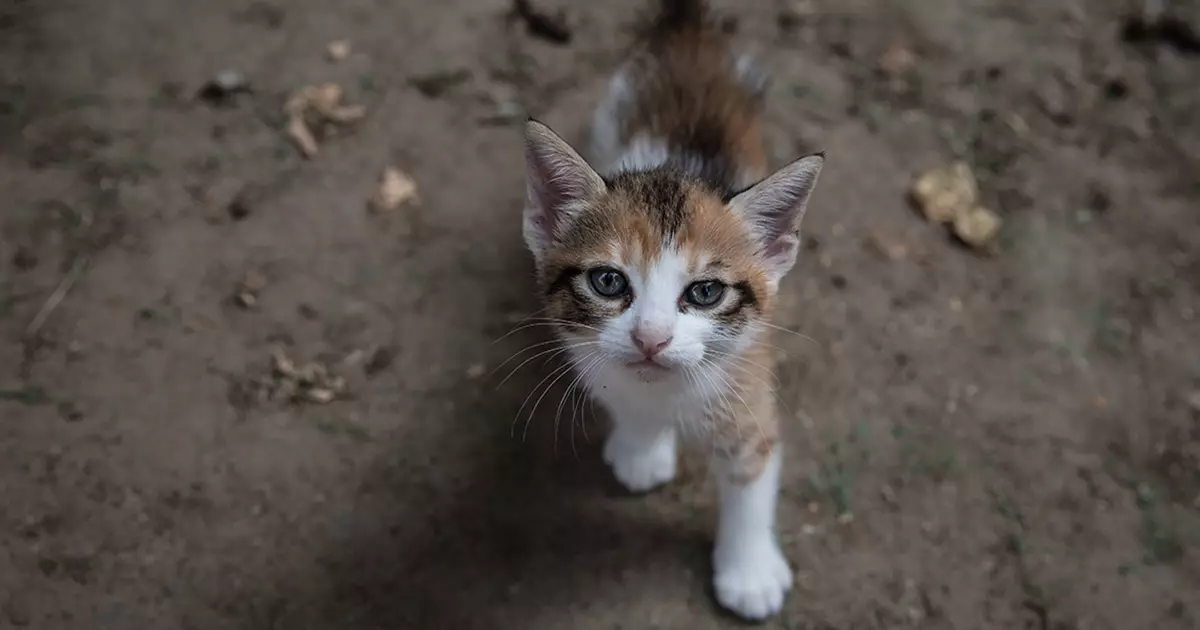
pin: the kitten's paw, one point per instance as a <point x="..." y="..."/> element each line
<point x="752" y="584"/>
<point x="640" y="466"/>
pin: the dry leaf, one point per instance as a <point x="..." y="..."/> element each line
<point x="322" y="103"/>
<point x="977" y="226"/>
<point x="395" y="188"/>
<point x="282" y="365"/>
<point x="302" y="136"/>
<point x="946" y="192"/>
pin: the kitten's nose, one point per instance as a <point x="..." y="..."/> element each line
<point x="651" y="342"/>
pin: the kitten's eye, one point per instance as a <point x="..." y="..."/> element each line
<point x="705" y="293"/>
<point x="608" y="283"/>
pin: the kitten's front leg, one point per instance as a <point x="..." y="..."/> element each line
<point x="751" y="576"/>
<point x="642" y="457"/>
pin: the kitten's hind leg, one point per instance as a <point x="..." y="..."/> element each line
<point x="642" y="458"/>
<point x="751" y="576"/>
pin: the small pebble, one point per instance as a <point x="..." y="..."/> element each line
<point x="338" y="50"/>
<point x="319" y="395"/>
<point x="897" y="60"/>
<point x="222" y="88"/>
<point x="254" y="281"/>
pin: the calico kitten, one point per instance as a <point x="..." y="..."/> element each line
<point x="662" y="269"/>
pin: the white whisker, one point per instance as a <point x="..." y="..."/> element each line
<point x="571" y="388"/>
<point x="553" y="352"/>
<point x="561" y="368"/>
<point x="789" y="331"/>
<point x="547" y="391"/>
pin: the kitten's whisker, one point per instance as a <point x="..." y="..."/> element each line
<point x="579" y="386"/>
<point x="563" y="400"/>
<point x="737" y="357"/>
<point x="522" y="351"/>
<point x="687" y="374"/>
<point x="757" y="342"/>
<point x="545" y="322"/>
<point x="733" y="389"/>
<point x="562" y="323"/>
<point x="591" y="403"/>
<point x="790" y="332"/>
<point x="547" y="391"/>
<point x="513" y="428"/>
<point x="718" y="393"/>
<point x="771" y="388"/>
<point x="553" y="352"/>
<point x="532" y="316"/>
<point x="585" y="396"/>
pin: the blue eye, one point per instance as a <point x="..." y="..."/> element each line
<point x="704" y="294"/>
<point x="608" y="283"/>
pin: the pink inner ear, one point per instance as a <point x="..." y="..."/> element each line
<point x="783" y="246"/>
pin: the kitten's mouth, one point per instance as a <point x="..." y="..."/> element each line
<point x="648" y="364"/>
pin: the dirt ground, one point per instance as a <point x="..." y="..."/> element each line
<point x="997" y="439"/>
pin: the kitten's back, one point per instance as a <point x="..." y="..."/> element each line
<point x="684" y="98"/>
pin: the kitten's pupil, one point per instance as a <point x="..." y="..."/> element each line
<point x="607" y="282"/>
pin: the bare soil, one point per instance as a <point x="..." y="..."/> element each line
<point x="997" y="439"/>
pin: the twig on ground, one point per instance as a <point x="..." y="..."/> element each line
<point x="60" y="292"/>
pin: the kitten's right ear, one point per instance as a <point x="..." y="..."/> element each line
<point x="558" y="182"/>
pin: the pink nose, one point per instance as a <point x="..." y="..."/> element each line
<point x="650" y="343"/>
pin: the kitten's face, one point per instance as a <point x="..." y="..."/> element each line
<point x="658" y="276"/>
<point x="652" y="271"/>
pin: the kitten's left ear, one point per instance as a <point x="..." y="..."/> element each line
<point x="774" y="208"/>
<point x="558" y="183"/>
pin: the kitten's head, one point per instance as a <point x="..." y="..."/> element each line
<point x="654" y="271"/>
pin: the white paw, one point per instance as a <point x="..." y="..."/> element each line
<point x="640" y="466"/>
<point x="752" y="583"/>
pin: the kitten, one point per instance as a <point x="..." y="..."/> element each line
<point x="662" y="269"/>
